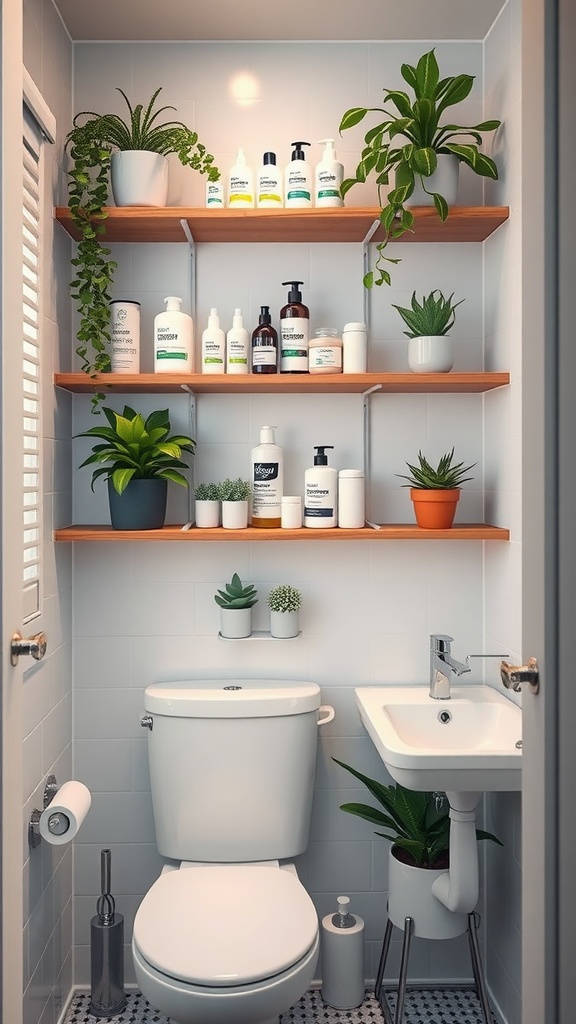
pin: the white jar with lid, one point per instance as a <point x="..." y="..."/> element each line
<point x="291" y="512"/>
<point x="351" y="499"/>
<point x="355" y="347"/>
<point x="325" y="351"/>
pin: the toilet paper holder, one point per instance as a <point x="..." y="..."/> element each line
<point x="55" y="823"/>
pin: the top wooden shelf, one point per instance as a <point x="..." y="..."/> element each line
<point x="349" y="224"/>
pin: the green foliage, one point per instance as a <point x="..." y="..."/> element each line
<point x="235" y="595"/>
<point x="134" y="448"/>
<point x="284" y="598"/>
<point x="207" y="492"/>
<point x="411" y="819"/>
<point x="408" y="142"/>
<point x="445" y="477"/>
<point x="234" y="490"/>
<point x="433" y="317"/>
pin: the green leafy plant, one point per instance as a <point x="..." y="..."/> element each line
<point x="433" y="317"/>
<point x="90" y="144"/>
<point x="408" y="141"/>
<point x="234" y="490"/>
<point x="446" y="476"/>
<point x="235" y="595"/>
<point x="412" y="820"/>
<point x="136" y="448"/>
<point x="284" y="598"/>
<point x="207" y="492"/>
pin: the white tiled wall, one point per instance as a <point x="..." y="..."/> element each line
<point x="146" y="612"/>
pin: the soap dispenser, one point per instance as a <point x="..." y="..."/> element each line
<point x="294" y="332"/>
<point x="329" y="175"/>
<point x="320" y="491"/>
<point x="298" y="179"/>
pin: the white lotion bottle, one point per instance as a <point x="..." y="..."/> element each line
<point x="240" y="184"/>
<point x="237" y="345"/>
<point x="173" y="339"/>
<point x="213" y="345"/>
<point x="298" y="179"/>
<point x="267" y="478"/>
<point x="320" y="491"/>
<point x="328" y="177"/>
<point x="269" y="184"/>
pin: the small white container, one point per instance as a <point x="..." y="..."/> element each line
<point x="351" y="499"/>
<point x="125" y="336"/>
<point x="215" y="195"/>
<point x="291" y="512"/>
<point x="355" y="348"/>
<point x="325" y="351"/>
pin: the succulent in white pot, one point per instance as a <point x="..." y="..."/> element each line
<point x="430" y="349"/>
<point x="284" y="602"/>
<point x="234" y="495"/>
<point x="236" y="602"/>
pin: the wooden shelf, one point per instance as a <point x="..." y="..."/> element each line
<point x="349" y="224"/>
<point x="282" y="383"/>
<point x="395" y="531"/>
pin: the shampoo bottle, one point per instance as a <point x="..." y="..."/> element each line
<point x="173" y="339"/>
<point x="269" y="184"/>
<point x="240" y="184"/>
<point x="294" y="332"/>
<point x="320" y="491"/>
<point x="267" y="479"/>
<point x="213" y="345"/>
<point x="298" y="178"/>
<point x="237" y="345"/>
<point x="329" y="175"/>
<point x="264" y="344"/>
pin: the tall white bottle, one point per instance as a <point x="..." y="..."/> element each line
<point x="213" y="345"/>
<point x="173" y="339"/>
<point x="328" y="177"/>
<point x="320" y="491"/>
<point x="237" y="345"/>
<point x="240" y="184"/>
<point x="269" y="189"/>
<point x="298" y="179"/>
<point x="267" y="478"/>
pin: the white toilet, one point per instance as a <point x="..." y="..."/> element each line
<point x="228" y="934"/>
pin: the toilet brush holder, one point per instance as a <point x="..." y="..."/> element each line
<point x="106" y="951"/>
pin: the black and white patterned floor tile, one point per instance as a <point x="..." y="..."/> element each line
<point x="423" y="1006"/>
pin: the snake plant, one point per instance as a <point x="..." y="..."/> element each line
<point x="433" y="317"/>
<point x="444" y="477"/>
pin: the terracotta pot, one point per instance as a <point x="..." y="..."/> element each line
<point x="410" y="895"/>
<point x="435" y="510"/>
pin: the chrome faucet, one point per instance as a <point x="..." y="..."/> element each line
<point x="442" y="664"/>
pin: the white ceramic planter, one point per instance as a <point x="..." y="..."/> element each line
<point x="234" y="515"/>
<point x="235" y="623"/>
<point x="444" y="180"/>
<point x="410" y="895"/>
<point x="139" y="178"/>
<point x="431" y="354"/>
<point x="207" y="514"/>
<point x="284" y="625"/>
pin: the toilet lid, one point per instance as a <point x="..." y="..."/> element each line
<point x="225" y="924"/>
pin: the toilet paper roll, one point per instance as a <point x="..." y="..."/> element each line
<point x="342" y="963"/>
<point x="62" y="818"/>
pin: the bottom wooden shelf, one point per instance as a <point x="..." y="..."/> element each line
<point x="389" y="531"/>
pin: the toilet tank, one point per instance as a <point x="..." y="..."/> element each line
<point x="232" y="767"/>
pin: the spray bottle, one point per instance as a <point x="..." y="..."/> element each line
<point x="329" y="175"/>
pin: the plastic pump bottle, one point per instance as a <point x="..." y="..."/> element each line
<point x="267" y="481"/>
<point x="213" y="345"/>
<point x="240" y="184"/>
<point x="294" y="332"/>
<point x="329" y="175"/>
<point x="173" y="339"/>
<point x="320" y="491"/>
<point x="269" y="184"/>
<point x="298" y="179"/>
<point x="237" y="345"/>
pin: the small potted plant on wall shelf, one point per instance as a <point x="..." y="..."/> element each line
<point x="234" y="495"/>
<point x="236" y="602"/>
<point x="137" y="457"/>
<point x="430" y="349"/>
<point x="423" y="153"/>
<point x="284" y="603"/>
<point x="435" y="492"/>
<point x="207" y="506"/>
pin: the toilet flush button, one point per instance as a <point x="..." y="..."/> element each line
<point x="231" y="687"/>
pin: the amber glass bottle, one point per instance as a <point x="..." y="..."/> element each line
<point x="264" y="345"/>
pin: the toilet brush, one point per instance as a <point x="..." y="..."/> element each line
<point x="107" y="950"/>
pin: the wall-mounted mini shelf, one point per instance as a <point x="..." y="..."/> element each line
<point x="349" y="224"/>
<point x="256" y="634"/>
<point x="389" y="531"/>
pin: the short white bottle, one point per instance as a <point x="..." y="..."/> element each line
<point x="240" y="184"/>
<point x="237" y="345"/>
<point x="328" y="177"/>
<point x="173" y="339"/>
<point x="351" y="513"/>
<point x="269" y="191"/>
<point x="298" y="179"/>
<point x="125" y="336"/>
<point x="355" y="348"/>
<point x="320" y="491"/>
<point x="213" y="345"/>
<point x="215" y="195"/>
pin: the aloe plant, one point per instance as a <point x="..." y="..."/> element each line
<point x="284" y="598"/>
<point x="433" y="317"/>
<point x="235" y="595"/>
<point x="234" y="490"/>
<point x="207" y="492"/>
<point x="446" y="476"/>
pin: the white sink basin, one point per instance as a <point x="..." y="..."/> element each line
<point x="465" y="744"/>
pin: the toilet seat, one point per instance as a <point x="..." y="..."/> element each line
<point x="225" y="925"/>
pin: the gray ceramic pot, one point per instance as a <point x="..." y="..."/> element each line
<point x="142" y="506"/>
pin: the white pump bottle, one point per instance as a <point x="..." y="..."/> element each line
<point x="328" y="177"/>
<point x="213" y="345"/>
<point x="173" y="339"/>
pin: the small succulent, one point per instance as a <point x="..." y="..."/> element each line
<point x="284" y="599"/>
<point x="444" y="477"/>
<point x="433" y="317"/>
<point x="234" y="490"/>
<point x="235" y="595"/>
<point x="207" y="492"/>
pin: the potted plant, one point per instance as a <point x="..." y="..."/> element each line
<point x="284" y="603"/>
<point x="234" y="495"/>
<point x="412" y="141"/>
<point x="98" y="143"/>
<point x="137" y="457"/>
<point x="436" y="492"/>
<point x="418" y="826"/>
<point x="207" y="506"/>
<point x="430" y="349"/>
<point x="236" y="603"/>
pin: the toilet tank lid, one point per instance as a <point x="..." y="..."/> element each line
<point x="232" y="698"/>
